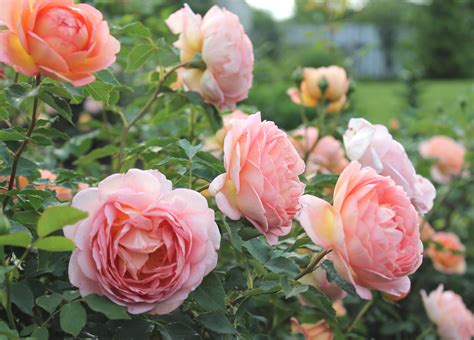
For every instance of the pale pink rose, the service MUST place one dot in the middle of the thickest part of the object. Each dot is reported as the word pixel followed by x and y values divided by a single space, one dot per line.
pixel 372 229
pixel 325 155
pixel 215 144
pixel 447 310
pixel 312 331
pixel 309 93
pixel 144 245
pixel 225 50
pixel 56 38
pixel 261 181
pixel 448 156
pixel 450 259
pixel 372 145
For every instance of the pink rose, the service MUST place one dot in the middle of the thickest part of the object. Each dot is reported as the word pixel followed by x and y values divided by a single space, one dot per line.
pixel 448 156
pixel 309 93
pixel 319 279
pixel 447 310
pixel 450 259
pixel 215 144
pixel 372 229
pixel 144 245
pixel 62 193
pixel 261 181
pixel 426 230
pixel 225 50
pixel 312 331
pixel 325 155
pixel 57 38
pixel 373 145
pixel 2 73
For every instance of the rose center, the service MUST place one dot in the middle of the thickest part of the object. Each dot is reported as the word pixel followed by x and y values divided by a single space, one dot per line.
pixel 63 30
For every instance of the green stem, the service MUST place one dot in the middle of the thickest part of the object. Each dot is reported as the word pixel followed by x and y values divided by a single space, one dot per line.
pixel 314 262
pixel 424 333
pixel 361 313
pixel 29 132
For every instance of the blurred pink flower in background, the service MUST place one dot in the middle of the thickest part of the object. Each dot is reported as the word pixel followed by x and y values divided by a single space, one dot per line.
pixel 225 50
pixel 450 258
pixel 261 181
pixel 57 38
pixel 447 310
pixel 215 144
pixel 2 73
pixel 448 156
pixel 144 245
pixel 372 229
pixel 373 146
pixel 426 230
pixel 312 331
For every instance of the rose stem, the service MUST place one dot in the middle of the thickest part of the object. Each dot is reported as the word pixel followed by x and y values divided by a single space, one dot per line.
pixel 314 262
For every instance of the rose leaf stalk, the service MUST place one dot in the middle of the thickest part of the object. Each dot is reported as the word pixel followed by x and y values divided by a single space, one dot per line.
pixel 365 308
pixel 21 148
pixel 314 262
pixel 142 112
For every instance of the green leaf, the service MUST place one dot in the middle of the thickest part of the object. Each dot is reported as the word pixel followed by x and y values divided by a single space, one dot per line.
pixel 40 333
pixel 109 309
pixel 334 277
pixel 12 135
pixel 20 239
pixel 98 153
pixel 99 90
pixel 138 56
pixel 54 243
pixel 107 77
pixel 7 332
pixel 70 295
pixel 72 318
pixel 57 217
pixel 58 103
pixel 258 249
pixel 22 297
pixel 210 295
pixel 249 233
pixel 282 265
pixel 189 149
pixel 49 302
pixel 216 322
pixel 321 302
pixel 178 330
pixel 16 94
pixel 136 29
pixel 133 329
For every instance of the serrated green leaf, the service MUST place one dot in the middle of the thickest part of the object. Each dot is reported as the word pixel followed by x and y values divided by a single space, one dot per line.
pixel 136 29
pixel 138 56
pixel 109 309
pixel 54 243
pixel 72 318
pixel 334 277
pixel 282 265
pixel 98 153
pixel 40 333
pixel 210 294
pixel 189 149
pixel 57 217
pixel 22 297
pixel 7 332
pixel 321 302
pixel 178 330
pixel 20 239
pixel 49 302
pixel 258 249
pixel 58 103
pixel 99 90
pixel 12 135
pixel 70 295
pixel 16 94
pixel 216 322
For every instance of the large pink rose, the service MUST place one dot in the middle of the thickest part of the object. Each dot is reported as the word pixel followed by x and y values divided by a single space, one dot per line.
pixel 225 49
pixel 448 156
pixel 309 93
pixel 261 181
pixel 447 310
pixel 373 145
pixel 215 144
pixel 57 38
pixel 450 258
pixel 144 245
pixel 372 229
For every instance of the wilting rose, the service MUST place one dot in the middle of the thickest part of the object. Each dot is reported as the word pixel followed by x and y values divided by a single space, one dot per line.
pixel 447 253
pixel 448 156
pixel 325 155
pixel 225 50
pixel 373 145
pixel 56 38
pixel 312 331
pixel 143 245
pixel 372 229
pixel 310 94
pixel 215 144
pixel 447 310
pixel 261 181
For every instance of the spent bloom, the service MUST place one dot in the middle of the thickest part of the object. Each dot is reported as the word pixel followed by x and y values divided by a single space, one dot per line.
pixel 225 49
pixel 143 245
pixel 57 38
pixel 372 229
pixel 261 182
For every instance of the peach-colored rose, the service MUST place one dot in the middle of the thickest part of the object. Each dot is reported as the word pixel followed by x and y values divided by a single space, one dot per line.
pixel 312 331
pixel 143 245
pixel 309 93
pixel 394 124
pixel 373 145
pixel 325 155
pixel 62 193
pixel 447 310
pixel 225 50
pixel 57 38
pixel 372 229
pixel 448 156
pixel 215 144
pixel 450 259
pixel 426 230
pixel 261 181
pixel 20 183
